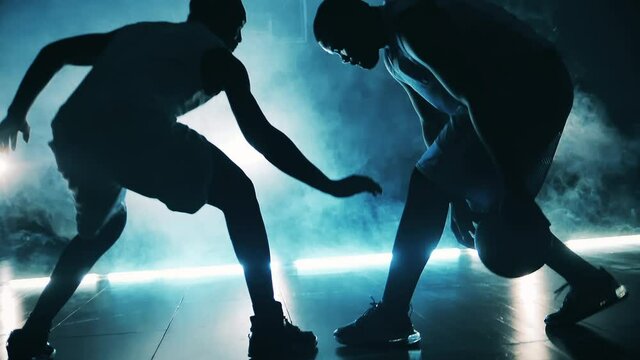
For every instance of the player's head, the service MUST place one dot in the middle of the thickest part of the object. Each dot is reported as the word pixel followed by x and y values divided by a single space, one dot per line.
pixel 225 18
pixel 351 29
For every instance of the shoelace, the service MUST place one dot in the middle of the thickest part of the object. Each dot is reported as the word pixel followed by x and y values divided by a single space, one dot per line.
pixel 376 304
pixel 287 325
pixel 290 326
pixel 373 306
pixel 373 302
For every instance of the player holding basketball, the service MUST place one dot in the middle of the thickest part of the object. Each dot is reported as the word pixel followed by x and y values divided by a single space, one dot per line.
pixel 493 98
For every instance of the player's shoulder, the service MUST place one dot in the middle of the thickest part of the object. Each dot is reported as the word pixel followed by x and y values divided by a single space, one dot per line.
pixel 223 71
pixel 422 22
pixel 144 28
pixel 413 17
pixel 169 27
pixel 145 25
pixel 219 61
pixel 220 56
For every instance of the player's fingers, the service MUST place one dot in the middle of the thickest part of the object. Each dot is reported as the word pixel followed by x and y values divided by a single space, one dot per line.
pixel 371 186
pixel 13 140
pixel 3 139
pixel 26 133
pixel 368 186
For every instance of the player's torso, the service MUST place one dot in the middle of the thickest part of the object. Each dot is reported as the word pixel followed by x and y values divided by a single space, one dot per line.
pixel 409 72
pixel 494 39
pixel 148 69
pixel 504 50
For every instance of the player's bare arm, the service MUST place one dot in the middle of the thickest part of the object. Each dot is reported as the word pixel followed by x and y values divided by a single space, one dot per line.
pixel 79 50
pixel 431 118
pixel 276 147
pixel 439 45
pixel 432 121
pixel 431 37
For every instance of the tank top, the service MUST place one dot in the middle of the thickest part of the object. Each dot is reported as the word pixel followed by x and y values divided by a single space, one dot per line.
pixel 405 69
pixel 149 72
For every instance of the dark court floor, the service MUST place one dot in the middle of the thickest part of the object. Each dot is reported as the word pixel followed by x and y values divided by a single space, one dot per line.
pixel 462 311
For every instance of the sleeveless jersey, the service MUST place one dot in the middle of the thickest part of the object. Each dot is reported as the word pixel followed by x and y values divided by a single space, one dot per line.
pixel 407 70
pixel 149 73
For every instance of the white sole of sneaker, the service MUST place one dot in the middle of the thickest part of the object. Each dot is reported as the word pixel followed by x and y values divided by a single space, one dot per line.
pixel 409 340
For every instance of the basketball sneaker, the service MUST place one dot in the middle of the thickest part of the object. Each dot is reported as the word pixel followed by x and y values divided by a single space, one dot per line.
pixel 23 346
pixel 583 302
pixel 378 326
pixel 274 337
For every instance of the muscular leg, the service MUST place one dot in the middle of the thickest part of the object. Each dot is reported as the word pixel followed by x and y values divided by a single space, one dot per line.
pixel 577 271
pixel 74 263
pixel 233 193
pixel 418 234
pixel 591 290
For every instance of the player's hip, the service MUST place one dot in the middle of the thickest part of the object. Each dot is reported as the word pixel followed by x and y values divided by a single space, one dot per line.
pixel 174 165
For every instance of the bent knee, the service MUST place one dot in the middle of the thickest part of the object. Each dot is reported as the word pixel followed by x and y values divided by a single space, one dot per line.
pixel 111 228
pixel 114 227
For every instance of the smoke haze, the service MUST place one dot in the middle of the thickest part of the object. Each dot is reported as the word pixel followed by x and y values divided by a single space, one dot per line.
pixel 345 120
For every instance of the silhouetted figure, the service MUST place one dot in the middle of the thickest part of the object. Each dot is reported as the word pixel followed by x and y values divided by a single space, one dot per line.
pixel 118 131
pixel 493 98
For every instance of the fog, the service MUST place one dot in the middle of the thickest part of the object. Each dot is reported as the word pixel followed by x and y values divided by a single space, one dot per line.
pixel 345 120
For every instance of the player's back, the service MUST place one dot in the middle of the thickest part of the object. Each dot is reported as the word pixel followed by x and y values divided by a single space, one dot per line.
pixel 495 38
pixel 149 72
pixel 489 37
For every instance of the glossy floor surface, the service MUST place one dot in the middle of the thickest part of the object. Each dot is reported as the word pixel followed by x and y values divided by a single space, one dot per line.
pixel 462 311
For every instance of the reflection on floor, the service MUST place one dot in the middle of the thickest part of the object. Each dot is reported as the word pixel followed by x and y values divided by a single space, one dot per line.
pixel 462 311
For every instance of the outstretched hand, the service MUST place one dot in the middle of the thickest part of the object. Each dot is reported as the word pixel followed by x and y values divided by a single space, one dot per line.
pixel 353 185
pixel 9 129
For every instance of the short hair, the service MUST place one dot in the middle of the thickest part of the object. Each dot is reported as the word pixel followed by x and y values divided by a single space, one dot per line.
pixel 227 11
pixel 336 14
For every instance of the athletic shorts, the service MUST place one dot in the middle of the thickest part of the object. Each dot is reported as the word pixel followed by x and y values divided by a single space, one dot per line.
pixel 172 164
pixel 458 162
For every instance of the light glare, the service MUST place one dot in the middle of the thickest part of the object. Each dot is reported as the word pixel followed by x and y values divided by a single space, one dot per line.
pixel 362 261
pixel 170 274
pixel 603 242
pixel 343 262
pixel 4 164
pixel 327 263
pixel 89 279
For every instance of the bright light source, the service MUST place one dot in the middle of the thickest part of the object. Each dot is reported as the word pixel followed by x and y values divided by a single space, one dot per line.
pixel 446 254
pixel 89 279
pixel 11 309
pixel 603 242
pixel 4 164
pixel 29 283
pixel 329 263
pixel 343 262
pixel 362 261
pixel 185 273
pixel 242 153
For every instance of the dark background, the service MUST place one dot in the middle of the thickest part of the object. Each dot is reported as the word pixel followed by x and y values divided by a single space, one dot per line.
pixel 344 119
